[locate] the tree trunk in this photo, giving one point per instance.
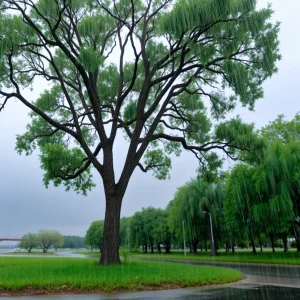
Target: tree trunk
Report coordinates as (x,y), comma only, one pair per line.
(227,246)
(232,247)
(158,248)
(297,236)
(152,251)
(253,246)
(284,240)
(260,243)
(272,242)
(205,244)
(194,245)
(110,241)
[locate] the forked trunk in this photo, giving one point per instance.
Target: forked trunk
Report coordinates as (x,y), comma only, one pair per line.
(110,241)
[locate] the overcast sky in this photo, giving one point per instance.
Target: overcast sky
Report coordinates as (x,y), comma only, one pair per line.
(26,205)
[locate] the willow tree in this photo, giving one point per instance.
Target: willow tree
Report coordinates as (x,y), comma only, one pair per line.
(202,196)
(147,70)
(278,181)
(241,197)
(188,205)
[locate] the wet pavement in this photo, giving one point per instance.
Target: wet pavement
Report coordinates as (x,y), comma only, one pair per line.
(238,292)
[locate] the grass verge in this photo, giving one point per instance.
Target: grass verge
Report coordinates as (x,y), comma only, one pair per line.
(265,257)
(24,276)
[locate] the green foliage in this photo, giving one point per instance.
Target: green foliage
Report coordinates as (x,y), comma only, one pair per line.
(150,227)
(281,130)
(28,241)
(188,205)
(60,162)
(94,234)
(48,238)
(90,59)
(216,50)
(73,242)
(159,162)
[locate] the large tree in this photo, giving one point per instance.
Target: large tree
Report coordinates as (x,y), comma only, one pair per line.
(48,238)
(145,69)
(28,241)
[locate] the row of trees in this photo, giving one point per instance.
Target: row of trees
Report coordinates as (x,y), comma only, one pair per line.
(43,238)
(47,238)
(148,229)
(256,202)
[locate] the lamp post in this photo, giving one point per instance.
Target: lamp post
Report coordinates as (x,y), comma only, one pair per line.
(212,234)
(183,238)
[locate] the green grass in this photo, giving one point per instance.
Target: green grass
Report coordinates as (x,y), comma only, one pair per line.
(240,256)
(85,275)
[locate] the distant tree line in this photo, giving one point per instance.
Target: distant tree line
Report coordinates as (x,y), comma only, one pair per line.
(73,242)
(46,239)
(255,204)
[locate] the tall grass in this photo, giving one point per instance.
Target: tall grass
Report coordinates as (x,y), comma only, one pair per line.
(18,273)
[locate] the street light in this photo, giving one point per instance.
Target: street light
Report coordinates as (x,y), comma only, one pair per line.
(211,230)
(183,238)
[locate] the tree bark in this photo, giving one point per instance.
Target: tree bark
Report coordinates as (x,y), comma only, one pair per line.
(297,236)
(272,241)
(195,244)
(158,248)
(110,241)
(227,246)
(284,240)
(253,246)
(232,247)
(260,243)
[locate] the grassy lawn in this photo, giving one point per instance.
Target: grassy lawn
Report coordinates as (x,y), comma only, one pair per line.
(240,256)
(61,275)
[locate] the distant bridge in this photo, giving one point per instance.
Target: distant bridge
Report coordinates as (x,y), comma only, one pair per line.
(10,239)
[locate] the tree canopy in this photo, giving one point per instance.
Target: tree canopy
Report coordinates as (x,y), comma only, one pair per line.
(28,241)
(48,238)
(162,73)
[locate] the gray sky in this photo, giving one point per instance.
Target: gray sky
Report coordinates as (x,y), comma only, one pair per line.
(26,205)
